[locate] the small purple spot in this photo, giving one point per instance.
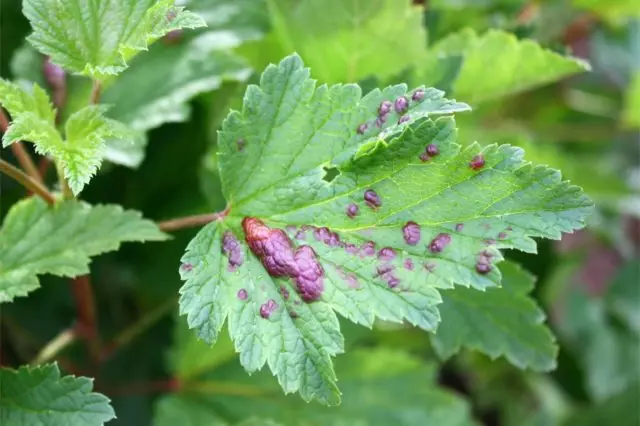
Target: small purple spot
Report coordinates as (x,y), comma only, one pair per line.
(352,280)
(432,150)
(411,233)
(266,309)
(242,294)
(404,119)
(352,210)
(372,199)
(386,253)
(291,229)
(385,108)
(368,248)
(386,273)
(459,227)
(401,105)
(381,120)
(424,157)
(284,292)
(351,248)
(302,233)
(408,264)
(186,267)
(439,243)
(489,242)
(362,128)
(483,268)
(502,235)
(241,143)
(477,162)
(326,236)
(231,247)
(418,95)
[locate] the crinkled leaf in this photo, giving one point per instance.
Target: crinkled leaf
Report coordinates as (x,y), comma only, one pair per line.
(382,387)
(495,64)
(631,112)
(18,101)
(355,40)
(275,155)
(98,37)
(38,239)
(500,322)
(39,396)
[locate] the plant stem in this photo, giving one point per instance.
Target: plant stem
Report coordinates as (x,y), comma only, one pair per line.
(85,307)
(95,92)
(55,346)
(222,388)
(158,386)
(20,152)
(139,327)
(192,221)
(27,181)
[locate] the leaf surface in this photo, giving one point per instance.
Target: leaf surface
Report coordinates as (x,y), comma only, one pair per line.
(37,239)
(631,112)
(98,37)
(39,396)
(495,64)
(501,322)
(377,239)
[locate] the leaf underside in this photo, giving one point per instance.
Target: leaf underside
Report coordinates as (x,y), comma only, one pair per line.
(408,212)
(38,239)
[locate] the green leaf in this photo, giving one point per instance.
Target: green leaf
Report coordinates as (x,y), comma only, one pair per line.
(631,112)
(382,387)
(39,396)
(493,65)
(97,38)
(37,239)
(355,40)
(620,10)
(501,322)
(18,101)
(276,156)
(620,410)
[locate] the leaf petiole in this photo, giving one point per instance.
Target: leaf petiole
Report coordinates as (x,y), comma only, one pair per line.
(27,181)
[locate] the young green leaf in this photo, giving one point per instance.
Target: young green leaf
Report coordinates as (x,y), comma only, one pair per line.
(502,322)
(494,64)
(39,396)
(97,39)
(360,205)
(36,239)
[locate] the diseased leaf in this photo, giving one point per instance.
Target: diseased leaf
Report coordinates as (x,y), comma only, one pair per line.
(363,206)
(38,239)
(355,40)
(382,387)
(495,64)
(501,322)
(631,112)
(39,396)
(97,38)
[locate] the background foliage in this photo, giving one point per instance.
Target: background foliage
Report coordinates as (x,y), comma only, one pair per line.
(509,59)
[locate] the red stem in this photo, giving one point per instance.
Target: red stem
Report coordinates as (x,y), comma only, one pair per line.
(85,307)
(192,221)
(159,386)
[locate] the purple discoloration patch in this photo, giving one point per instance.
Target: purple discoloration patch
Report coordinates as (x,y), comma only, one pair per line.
(242,294)
(404,119)
(483,265)
(326,236)
(408,264)
(386,253)
(386,272)
(186,267)
(401,105)
(424,157)
(352,210)
(502,235)
(439,243)
(483,268)
(459,227)
(489,242)
(372,199)
(275,250)
(351,248)
(362,128)
(352,280)
(368,248)
(231,247)
(267,308)
(284,292)
(477,162)
(385,108)
(433,150)
(381,120)
(418,95)
(411,233)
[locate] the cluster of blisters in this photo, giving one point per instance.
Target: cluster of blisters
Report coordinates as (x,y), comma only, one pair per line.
(267,308)
(429,152)
(483,265)
(439,243)
(275,250)
(385,269)
(231,247)
(400,105)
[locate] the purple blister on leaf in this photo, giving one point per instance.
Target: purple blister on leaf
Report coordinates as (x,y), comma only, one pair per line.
(401,105)
(386,253)
(267,308)
(385,108)
(352,210)
(242,294)
(418,95)
(433,150)
(439,243)
(477,162)
(231,247)
(411,233)
(372,199)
